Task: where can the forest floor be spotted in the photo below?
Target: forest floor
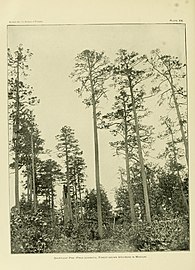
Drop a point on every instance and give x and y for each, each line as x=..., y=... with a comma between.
x=66, y=245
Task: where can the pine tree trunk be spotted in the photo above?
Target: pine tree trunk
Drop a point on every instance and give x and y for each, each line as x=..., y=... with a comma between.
x=129, y=183
x=97, y=173
x=52, y=205
x=68, y=186
x=17, y=204
x=76, y=205
x=170, y=81
x=66, y=206
x=185, y=204
x=97, y=170
x=28, y=182
x=80, y=198
x=33, y=175
x=143, y=173
x=30, y=191
x=180, y=121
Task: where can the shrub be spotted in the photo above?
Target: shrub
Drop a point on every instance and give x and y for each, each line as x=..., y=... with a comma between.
x=165, y=234
x=30, y=233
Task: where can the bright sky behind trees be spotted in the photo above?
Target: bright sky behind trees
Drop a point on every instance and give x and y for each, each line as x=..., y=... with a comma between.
x=54, y=49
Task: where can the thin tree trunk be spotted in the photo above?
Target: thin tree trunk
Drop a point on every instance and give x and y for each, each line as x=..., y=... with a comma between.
x=52, y=204
x=79, y=194
x=68, y=186
x=178, y=174
x=180, y=121
x=46, y=198
x=170, y=81
x=66, y=205
x=28, y=183
x=30, y=191
x=143, y=173
x=76, y=205
x=97, y=170
x=49, y=200
x=129, y=184
x=17, y=204
x=33, y=175
x=80, y=198
x=114, y=222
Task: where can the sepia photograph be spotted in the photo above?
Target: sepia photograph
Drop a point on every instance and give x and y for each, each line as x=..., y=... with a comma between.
x=98, y=138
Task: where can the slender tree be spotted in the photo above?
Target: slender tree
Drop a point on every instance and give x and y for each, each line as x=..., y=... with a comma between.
x=77, y=180
x=31, y=145
x=65, y=145
x=91, y=71
x=171, y=74
x=173, y=153
x=121, y=124
x=127, y=71
x=20, y=96
x=118, y=121
x=69, y=150
x=48, y=175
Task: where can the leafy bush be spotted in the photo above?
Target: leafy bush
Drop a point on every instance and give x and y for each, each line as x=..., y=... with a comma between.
x=30, y=233
x=165, y=234
x=34, y=233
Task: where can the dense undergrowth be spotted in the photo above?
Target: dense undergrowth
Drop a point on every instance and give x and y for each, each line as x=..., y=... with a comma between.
x=34, y=234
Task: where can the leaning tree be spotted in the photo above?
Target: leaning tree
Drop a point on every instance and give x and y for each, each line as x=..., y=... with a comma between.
x=128, y=71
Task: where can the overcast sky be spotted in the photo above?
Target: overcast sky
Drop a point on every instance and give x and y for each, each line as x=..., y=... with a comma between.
x=54, y=48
